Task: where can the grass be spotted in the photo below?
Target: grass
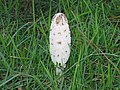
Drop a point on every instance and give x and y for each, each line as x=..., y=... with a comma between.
x=25, y=62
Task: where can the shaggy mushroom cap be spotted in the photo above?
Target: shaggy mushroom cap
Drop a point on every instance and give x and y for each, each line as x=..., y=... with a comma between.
x=60, y=39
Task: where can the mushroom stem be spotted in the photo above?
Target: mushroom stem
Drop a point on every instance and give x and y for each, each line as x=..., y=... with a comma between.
x=58, y=71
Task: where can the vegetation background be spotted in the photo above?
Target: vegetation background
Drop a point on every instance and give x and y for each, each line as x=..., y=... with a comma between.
x=25, y=62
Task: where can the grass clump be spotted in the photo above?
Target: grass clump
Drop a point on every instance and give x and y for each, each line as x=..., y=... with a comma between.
x=25, y=61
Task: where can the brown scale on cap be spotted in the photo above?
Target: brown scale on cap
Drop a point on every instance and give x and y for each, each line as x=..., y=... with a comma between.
x=59, y=42
x=58, y=19
x=58, y=55
x=59, y=32
x=65, y=30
